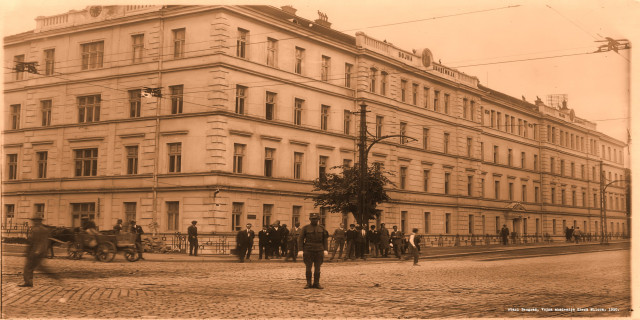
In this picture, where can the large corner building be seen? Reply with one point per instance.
(246, 105)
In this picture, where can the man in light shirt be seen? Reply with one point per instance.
(414, 242)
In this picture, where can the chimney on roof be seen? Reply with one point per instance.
(323, 20)
(289, 9)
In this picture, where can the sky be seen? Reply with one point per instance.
(478, 38)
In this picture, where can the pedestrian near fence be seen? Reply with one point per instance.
(244, 242)
(193, 238)
(504, 233)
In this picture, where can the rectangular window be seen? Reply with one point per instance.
(383, 83)
(86, 162)
(525, 129)
(471, 224)
(553, 195)
(552, 165)
(132, 160)
(19, 60)
(403, 132)
(495, 154)
(297, 165)
(482, 151)
(472, 110)
(238, 157)
(447, 182)
(82, 211)
(403, 177)
(470, 186)
(553, 228)
(403, 90)
(270, 106)
(513, 124)
(446, 143)
(89, 109)
(272, 52)
(436, 97)
(524, 193)
(535, 162)
(268, 161)
(241, 96)
(178, 43)
(173, 215)
(176, 98)
(496, 189)
(447, 223)
(267, 210)
(137, 42)
(523, 160)
(324, 117)
(326, 67)
(297, 112)
(498, 115)
(584, 199)
(465, 108)
(241, 43)
(573, 169)
(497, 224)
(379, 121)
(372, 79)
(49, 61)
(493, 119)
(425, 138)
(236, 215)
(299, 60)
(574, 200)
(12, 166)
(469, 146)
(346, 163)
(482, 189)
(519, 127)
(175, 157)
(42, 164)
(347, 122)
(562, 172)
(425, 93)
(15, 116)
(295, 216)
(511, 191)
(425, 178)
(510, 157)
(322, 166)
(45, 107)
(446, 103)
(134, 103)
(427, 222)
(414, 94)
(536, 194)
(348, 69)
(563, 197)
(129, 211)
(92, 55)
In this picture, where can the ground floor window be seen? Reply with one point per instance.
(82, 211)
(173, 215)
(129, 212)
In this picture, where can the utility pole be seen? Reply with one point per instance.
(603, 203)
(362, 146)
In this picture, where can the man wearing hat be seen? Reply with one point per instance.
(193, 238)
(313, 240)
(137, 230)
(36, 250)
(244, 243)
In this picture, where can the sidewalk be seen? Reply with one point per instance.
(426, 252)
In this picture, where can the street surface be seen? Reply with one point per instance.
(507, 284)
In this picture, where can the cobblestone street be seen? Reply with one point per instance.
(171, 286)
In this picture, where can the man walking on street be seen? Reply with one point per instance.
(396, 240)
(374, 238)
(284, 236)
(274, 237)
(36, 251)
(193, 238)
(244, 242)
(263, 243)
(352, 234)
(384, 240)
(314, 241)
(137, 230)
(504, 233)
(414, 243)
(577, 234)
(339, 236)
(293, 243)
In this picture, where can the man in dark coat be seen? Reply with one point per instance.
(118, 227)
(36, 251)
(274, 236)
(361, 242)
(137, 230)
(292, 245)
(384, 240)
(352, 234)
(504, 233)
(314, 241)
(244, 242)
(374, 238)
(263, 242)
(396, 239)
(284, 239)
(193, 238)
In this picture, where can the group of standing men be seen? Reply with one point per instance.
(360, 239)
(274, 241)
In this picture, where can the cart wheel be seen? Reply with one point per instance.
(106, 251)
(74, 251)
(131, 255)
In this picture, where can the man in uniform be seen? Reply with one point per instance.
(313, 240)
(193, 238)
(339, 236)
(37, 249)
(396, 240)
(293, 243)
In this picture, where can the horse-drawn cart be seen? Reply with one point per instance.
(104, 246)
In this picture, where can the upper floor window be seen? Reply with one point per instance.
(446, 103)
(49, 61)
(322, 167)
(240, 99)
(326, 67)
(92, 55)
(347, 122)
(403, 90)
(19, 71)
(510, 157)
(15, 116)
(86, 162)
(425, 93)
(472, 110)
(12, 166)
(297, 165)
(132, 159)
(178, 42)
(268, 161)
(134, 103)
(403, 132)
(465, 107)
(324, 117)
(379, 122)
(45, 108)
(447, 182)
(272, 52)
(89, 108)
(299, 60)
(383, 83)
(175, 157)
(41, 157)
(425, 138)
(436, 97)
(238, 157)
(446, 143)
(176, 99)
(348, 69)
(297, 112)
(373, 74)
(469, 147)
(137, 41)
(495, 154)
(403, 177)
(241, 43)
(522, 159)
(270, 106)
(414, 94)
